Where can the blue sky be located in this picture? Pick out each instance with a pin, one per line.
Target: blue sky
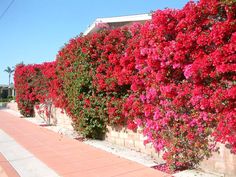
(33, 31)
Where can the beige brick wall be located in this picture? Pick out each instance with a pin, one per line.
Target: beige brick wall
(63, 119)
(57, 118)
(223, 163)
(133, 140)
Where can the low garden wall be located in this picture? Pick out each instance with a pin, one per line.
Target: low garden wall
(12, 105)
(57, 118)
(133, 140)
(222, 162)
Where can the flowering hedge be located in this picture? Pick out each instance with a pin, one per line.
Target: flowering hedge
(32, 86)
(184, 90)
(89, 69)
(81, 101)
(174, 77)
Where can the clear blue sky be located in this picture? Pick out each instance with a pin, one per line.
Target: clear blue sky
(33, 31)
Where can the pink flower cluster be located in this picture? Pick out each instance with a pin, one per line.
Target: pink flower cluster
(185, 85)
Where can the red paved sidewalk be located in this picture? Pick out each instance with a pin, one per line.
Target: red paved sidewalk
(68, 157)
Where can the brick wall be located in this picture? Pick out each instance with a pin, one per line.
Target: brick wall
(222, 163)
(63, 119)
(133, 140)
(57, 118)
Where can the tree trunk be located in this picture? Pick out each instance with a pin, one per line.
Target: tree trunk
(9, 89)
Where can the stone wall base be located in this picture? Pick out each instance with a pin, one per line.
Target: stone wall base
(12, 105)
(223, 163)
(57, 117)
(134, 140)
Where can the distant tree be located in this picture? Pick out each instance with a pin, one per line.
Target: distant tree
(9, 70)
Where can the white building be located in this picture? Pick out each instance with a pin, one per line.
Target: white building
(115, 22)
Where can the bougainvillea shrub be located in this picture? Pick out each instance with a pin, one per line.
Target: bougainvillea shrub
(90, 69)
(32, 86)
(113, 71)
(75, 69)
(23, 90)
(184, 91)
(24, 79)
(174, 76)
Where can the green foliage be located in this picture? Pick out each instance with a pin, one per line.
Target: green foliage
(86, 105)
(6, 99)
(91, 117)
